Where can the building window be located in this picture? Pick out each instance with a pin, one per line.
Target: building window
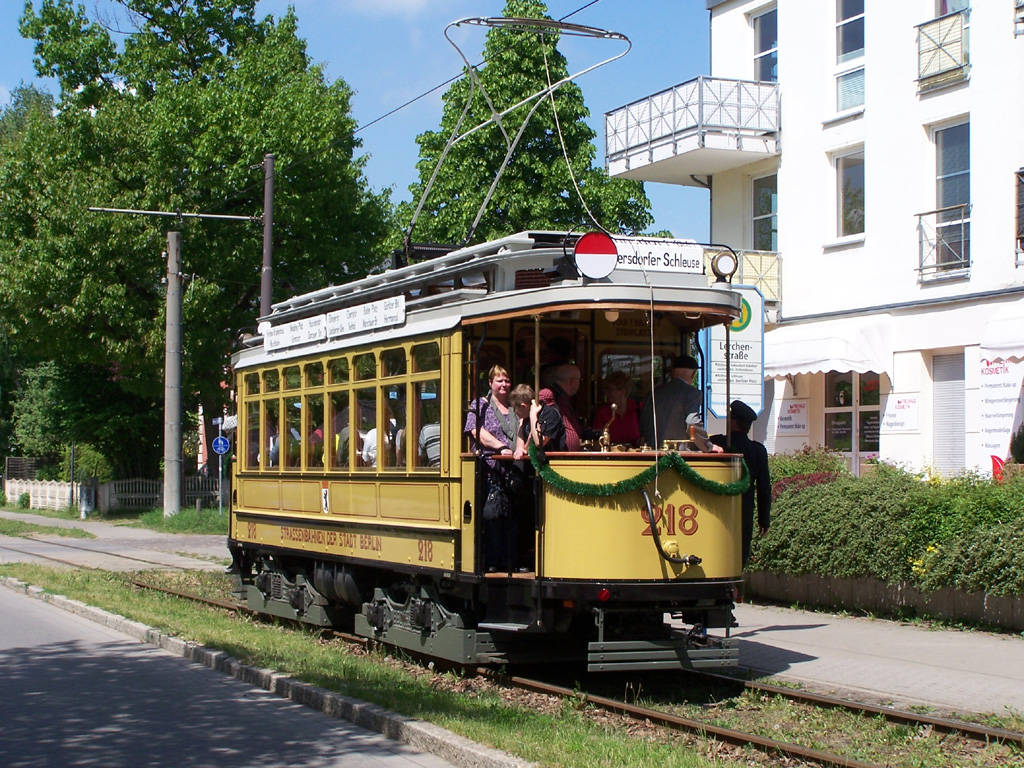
(849, 30)
(850, 194)
(943, 7)
(953, 196)
(852, 412)
(766, 215)
(766, 47)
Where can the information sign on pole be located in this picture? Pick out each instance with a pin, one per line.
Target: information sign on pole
(746, 356)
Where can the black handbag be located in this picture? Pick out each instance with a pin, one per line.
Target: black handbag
(497, 504)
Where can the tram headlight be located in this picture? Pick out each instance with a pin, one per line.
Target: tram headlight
(724, 265)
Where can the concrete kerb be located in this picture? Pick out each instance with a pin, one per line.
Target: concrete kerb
(418, 734)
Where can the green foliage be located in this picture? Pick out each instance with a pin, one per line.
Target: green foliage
(24, 501)
(988, 559)
(536, 190)
(1017, 445)
(175, 119)
(187, 520)
(89, 462)
(806, 461)
(3, 498)
(963, 532)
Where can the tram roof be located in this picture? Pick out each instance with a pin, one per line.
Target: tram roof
(520, 275)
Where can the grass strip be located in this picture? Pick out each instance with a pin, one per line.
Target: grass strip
(568, 738)
(25, 530)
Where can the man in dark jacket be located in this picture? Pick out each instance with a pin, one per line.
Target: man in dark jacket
(741, 416)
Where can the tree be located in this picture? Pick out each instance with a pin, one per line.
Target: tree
(536, 190)
(176, 119)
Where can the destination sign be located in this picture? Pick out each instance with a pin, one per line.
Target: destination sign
(658, 255)
(344, 322)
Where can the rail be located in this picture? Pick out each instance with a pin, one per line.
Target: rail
(945, 243)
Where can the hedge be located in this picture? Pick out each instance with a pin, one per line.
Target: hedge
(965, 532)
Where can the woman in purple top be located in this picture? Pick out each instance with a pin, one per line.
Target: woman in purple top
(498, 422)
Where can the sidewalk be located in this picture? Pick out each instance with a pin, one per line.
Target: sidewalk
(886, 662)
(147, 548)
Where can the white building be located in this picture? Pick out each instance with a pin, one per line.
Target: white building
(868, 159)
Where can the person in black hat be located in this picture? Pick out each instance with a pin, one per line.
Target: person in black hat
(741, 416)
(673, 403)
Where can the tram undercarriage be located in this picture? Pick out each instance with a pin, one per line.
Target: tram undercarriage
(516, 619)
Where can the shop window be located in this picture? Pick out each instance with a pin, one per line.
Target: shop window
(852, 412)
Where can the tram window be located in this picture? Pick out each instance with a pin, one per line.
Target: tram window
(252, 384)
(314, 408)
(426, 424)
(292, 436)
(314, 374)
(426, 357)
(340, 428)
(339, 370)
(392, 362)
(292, 378)
(365, 367)
(252, 435)
(272, 425)
(393, 424)
(366, 423)
(271, 380)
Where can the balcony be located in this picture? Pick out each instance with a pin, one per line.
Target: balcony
(942, 51)
(699, 128)
(945, 244)
(761, 269)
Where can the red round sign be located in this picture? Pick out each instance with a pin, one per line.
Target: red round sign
(596, 255)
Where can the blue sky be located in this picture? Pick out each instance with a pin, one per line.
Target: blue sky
(390, 51)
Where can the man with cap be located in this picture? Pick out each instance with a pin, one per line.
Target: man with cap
(741, 416)
(673, 403)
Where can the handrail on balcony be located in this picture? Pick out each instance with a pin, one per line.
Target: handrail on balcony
(942, 46)
(945, 242)
(741, 106)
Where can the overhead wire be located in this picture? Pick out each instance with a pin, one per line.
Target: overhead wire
(258, 184)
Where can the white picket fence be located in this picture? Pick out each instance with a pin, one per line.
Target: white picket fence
(134, 493)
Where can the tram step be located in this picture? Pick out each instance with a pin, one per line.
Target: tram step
(494, 627)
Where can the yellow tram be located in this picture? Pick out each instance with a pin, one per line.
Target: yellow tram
(357, 499)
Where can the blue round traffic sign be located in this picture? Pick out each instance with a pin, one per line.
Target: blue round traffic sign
(221, 445)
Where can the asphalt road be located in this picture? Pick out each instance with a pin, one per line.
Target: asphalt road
(75, 693)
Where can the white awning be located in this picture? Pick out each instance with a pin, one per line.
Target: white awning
(858, 344)
(1003, 335)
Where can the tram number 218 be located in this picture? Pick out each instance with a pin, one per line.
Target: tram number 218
(685, 517)
(426, 548)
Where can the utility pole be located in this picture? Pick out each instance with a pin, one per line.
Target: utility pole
(172, 351)
(267, 274)
(172, 379)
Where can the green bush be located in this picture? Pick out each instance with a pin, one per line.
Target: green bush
(24, 500)
(89, 462)
(893, 525)
(3, 498)
(806, 461)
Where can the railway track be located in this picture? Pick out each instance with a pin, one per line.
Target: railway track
(787, 750)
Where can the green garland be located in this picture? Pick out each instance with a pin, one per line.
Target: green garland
(641, 480)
